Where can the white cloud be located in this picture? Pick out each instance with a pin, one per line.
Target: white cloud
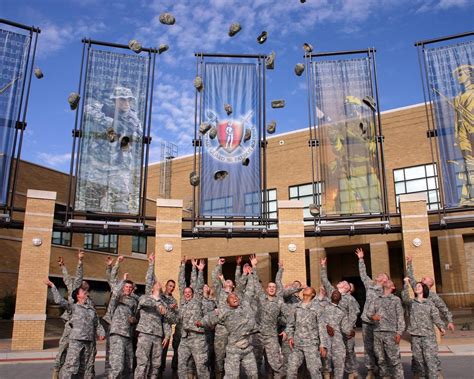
(441, 5)
(54, 160)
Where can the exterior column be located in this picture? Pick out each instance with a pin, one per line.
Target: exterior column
(265, 268)
(416, 234)
(211, 264)
(453, 264)
(291, 243)
(379, 258)
(169, 220)
(31, 295)
(315, 256)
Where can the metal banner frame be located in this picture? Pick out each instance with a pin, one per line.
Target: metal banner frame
(71, 213)
(200, 223)
(9, 207)
(432, 132)
(346, 221)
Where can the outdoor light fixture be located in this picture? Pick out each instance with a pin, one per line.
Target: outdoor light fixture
(291, 247)
(416, 242)
(168, 247)
(37, 241)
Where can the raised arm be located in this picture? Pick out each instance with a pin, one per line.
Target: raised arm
(324, 277)
(216, 282)
(150, 274)
(279, 278)
(67, 279)
(200, 279)
(238, 269)
(405, 292)
(442, 308)
(366, 279)
(435, 316)
(181, 277)
(410, 272)
(112, 279)
(193, 282)
(400, 318)
(77, 281)
(57, 298)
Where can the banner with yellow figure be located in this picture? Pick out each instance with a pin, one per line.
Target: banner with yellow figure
(451, 83)
(348, 137)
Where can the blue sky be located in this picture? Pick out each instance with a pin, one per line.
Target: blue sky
(391, 26)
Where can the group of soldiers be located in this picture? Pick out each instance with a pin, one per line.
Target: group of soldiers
(239, 327)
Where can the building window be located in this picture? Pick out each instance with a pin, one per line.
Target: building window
(219, 207)
(418, 179)
(107, 243)
(252, 203)
(60, 238)
(304, 192)
(139, 244)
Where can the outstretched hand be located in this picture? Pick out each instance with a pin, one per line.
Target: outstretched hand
(60, 261)
(109, 261)
(360, 253)
(409, 259)
(200, 266)
(80, 255)
(406, 280)
(49, 283)
(151, 258)
(253, 260)
(323, 262)
(280, 264)
(239, 260)
(221, 261)
(120, 258)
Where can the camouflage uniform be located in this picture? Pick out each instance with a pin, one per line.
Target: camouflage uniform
(352, 308)
(85, 324)
(372, 291)
(170, 302)
(335, 317)
(422, 316)
(306, 329)
(209, 305)
(269, 312)
(444, 312)
(221, 334)
(193, 340)
(240, 326)
(123, 310)
(392, 323)
(71, 284)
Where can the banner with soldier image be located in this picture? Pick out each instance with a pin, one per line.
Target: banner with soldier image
(230, 176)
(451, 84)
(348, 137)
(13, 56)
(111, 143)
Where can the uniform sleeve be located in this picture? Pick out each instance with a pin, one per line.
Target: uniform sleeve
(371, 309)
(405, 295)
(98, 327)
(77, 281)
(167, 329)
(435, 316)
(211, 319)
(68, 281)
(181, 280)
(442, 308)
(411, 275)
(112, 279)
(290, 324)
(363, 274)
(346, 325)
(150, 278)
(199, 284)
(238, 273)
(193, 282)
(325, 281)
(400, 317)
(279, 280)
(323, 337)
(58, 299)
(258, 286)
(215, 279)
(354, 310)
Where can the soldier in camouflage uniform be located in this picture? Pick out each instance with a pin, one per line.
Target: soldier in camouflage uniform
(154, 328)
(223, 288)
(337, 325)
(238, 318)
(373, 289)
(444, 312)
(123, 309)
(168, 299)
(71, 284)
(306, 336)
(352, 308)
(209, 305)
(422, 316)
(111, 149)
(269, 311)
(84, 326)
(389, 323)
(193, 340)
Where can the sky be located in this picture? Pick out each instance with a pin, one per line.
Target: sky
(391, 26)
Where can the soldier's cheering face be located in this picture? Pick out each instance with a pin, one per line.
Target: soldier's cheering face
(127, 289)
(170, 285)
(233, 300)
(188, 293)
(271, 289)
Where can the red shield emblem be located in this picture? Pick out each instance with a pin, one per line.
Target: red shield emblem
(229, 134)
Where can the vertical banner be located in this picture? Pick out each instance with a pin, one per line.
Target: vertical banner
(111, 143)
(350, 172)
(13, 56)
(451, 84)
(230, 176)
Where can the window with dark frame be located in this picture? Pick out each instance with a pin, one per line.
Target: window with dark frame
(304, 192)
(139, 244)
(418, 179)
(107, 243)
(252, 203)
(60, 238)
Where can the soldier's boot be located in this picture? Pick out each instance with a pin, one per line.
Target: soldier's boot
(370, 375)
(55, 374)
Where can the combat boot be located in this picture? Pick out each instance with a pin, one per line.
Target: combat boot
(55, 374)
(370, 375)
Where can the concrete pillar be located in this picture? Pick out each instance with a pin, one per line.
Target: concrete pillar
(454, 267)
(265, 268)
(315, 255)
(169, 215)
(31, 295)
(211, 264)
(291, 243)
(416, 234)
(379, 258)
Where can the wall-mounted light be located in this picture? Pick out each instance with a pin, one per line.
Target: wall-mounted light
(37, 241)
(291, 247)
(416, 242)
(168, 247)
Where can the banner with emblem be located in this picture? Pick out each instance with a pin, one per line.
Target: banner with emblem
(350, 172)
(110, 156)
(13, 56)
(230, 170)
(451, 85)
